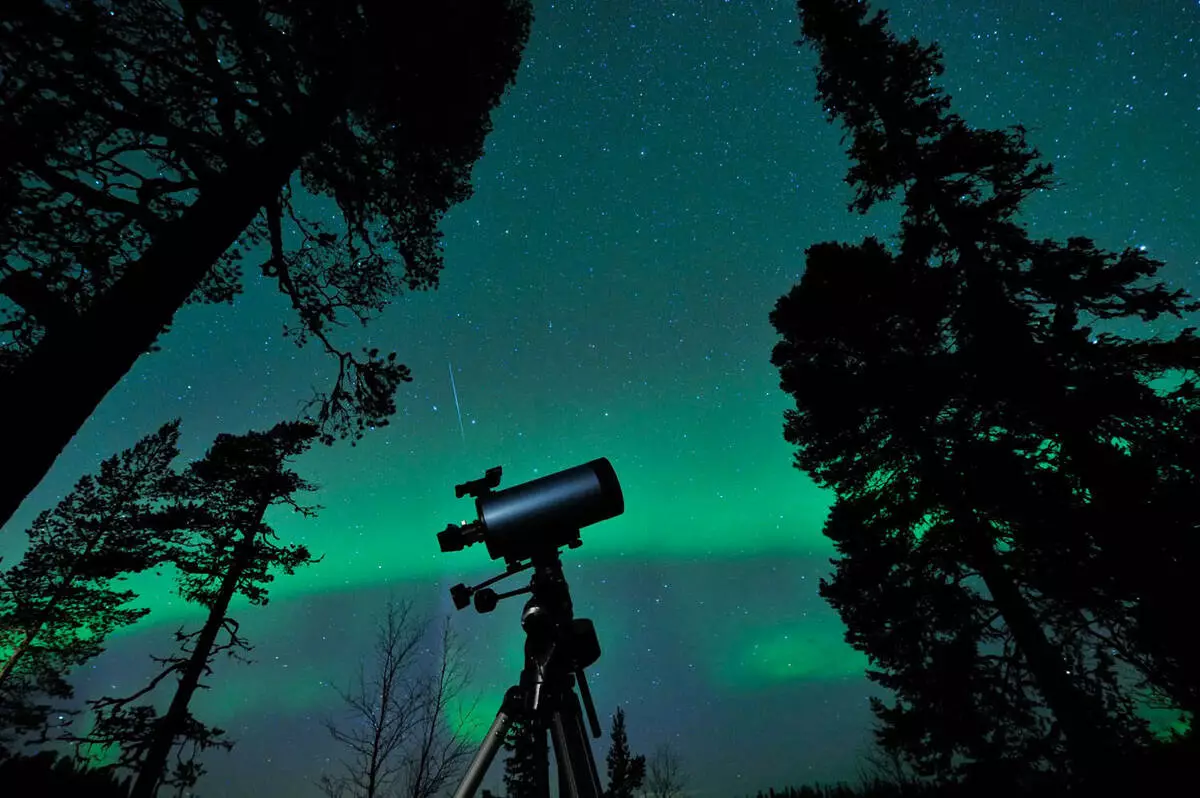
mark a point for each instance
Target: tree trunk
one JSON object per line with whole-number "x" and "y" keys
{"x": 11, "y": 664}
{"x": 376, "y": 762}
{"x": 50, "y": 395}
{"x": 1083, "y": 722}
{"x": 1084, "y": 728}
{"x": 151, "y": 772}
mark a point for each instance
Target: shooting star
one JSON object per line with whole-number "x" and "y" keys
{"x": 457, "y": 407}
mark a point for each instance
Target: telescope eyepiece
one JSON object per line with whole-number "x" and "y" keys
{"x": 455, "y": 538}
{"x": 450, "y": 539}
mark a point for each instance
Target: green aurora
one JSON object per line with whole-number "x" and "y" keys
{"x": 651, "y": 184}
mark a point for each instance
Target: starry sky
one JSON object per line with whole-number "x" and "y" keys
{"x": 647, "y": 194}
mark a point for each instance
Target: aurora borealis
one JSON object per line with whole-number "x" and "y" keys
{"x": 648, "y": 192}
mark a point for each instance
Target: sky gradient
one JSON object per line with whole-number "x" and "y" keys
{"x": 647, "y": 194}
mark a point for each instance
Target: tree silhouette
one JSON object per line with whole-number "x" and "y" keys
{"x": 148, "y": 147}
{"x": 440, "y": 750}
{"x": 402, "y": 738}
{"x": 626, "y": 772}
{"x": 976, "y": 436}
{"x": 382, "y": 705}
{"x": 58, "y": 604}
{"x": 526, "y": 770}
{"x": 665, "y": 777}
{"x": 221, "y": 500}
{"x": 46, "y": 773}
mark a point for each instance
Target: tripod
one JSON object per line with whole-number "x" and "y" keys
{"x": 558, "y": 647}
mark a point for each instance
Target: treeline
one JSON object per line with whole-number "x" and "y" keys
{"x": 1161, "y": 769}
{"x": 875, "y": 789}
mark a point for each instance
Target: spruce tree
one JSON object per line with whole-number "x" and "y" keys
{"x": 626, "y": 772}
{"x": 976, "y": 433}
{"x": 526, "y": 773}
{"x": 59, "y": 603}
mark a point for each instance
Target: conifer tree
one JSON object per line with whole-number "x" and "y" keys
{"x": 229, "y": 550}
{"x": 526, "y": 773}
{"x": 626, "y": 772}
{"x": 149, "y": 146}
{"x": 59, "y": 603}
{"x": 976, "y": 433}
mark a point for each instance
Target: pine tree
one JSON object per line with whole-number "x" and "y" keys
{"x": 976, "y": 435}
{"x": 148, "y": 146}
{"x": 625, "y": 771}
{"x": 230, "y": 551}
{"x": 59, "y": 604}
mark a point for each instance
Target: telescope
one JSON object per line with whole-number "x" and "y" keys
{"x": 540, "y": 515}
{"x": 526, "y": 525}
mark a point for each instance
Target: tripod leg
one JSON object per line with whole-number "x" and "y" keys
{"x": 486, "y": 753}
{"x": 577, "y": 777}
{"x": 584, "y": 743}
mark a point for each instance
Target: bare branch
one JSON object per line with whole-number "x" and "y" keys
{"x": 664, "y": 773}
{"x": 382, "y": 713}
{"x": 441, "y": 750}
{"x": 400, "y": 714}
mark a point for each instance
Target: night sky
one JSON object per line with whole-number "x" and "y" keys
{"x": 647, "y": 194}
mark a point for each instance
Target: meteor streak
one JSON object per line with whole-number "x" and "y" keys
{"x": 457, "y": 407}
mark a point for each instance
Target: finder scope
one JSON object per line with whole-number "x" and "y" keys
{"x": 536, "y": 516}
